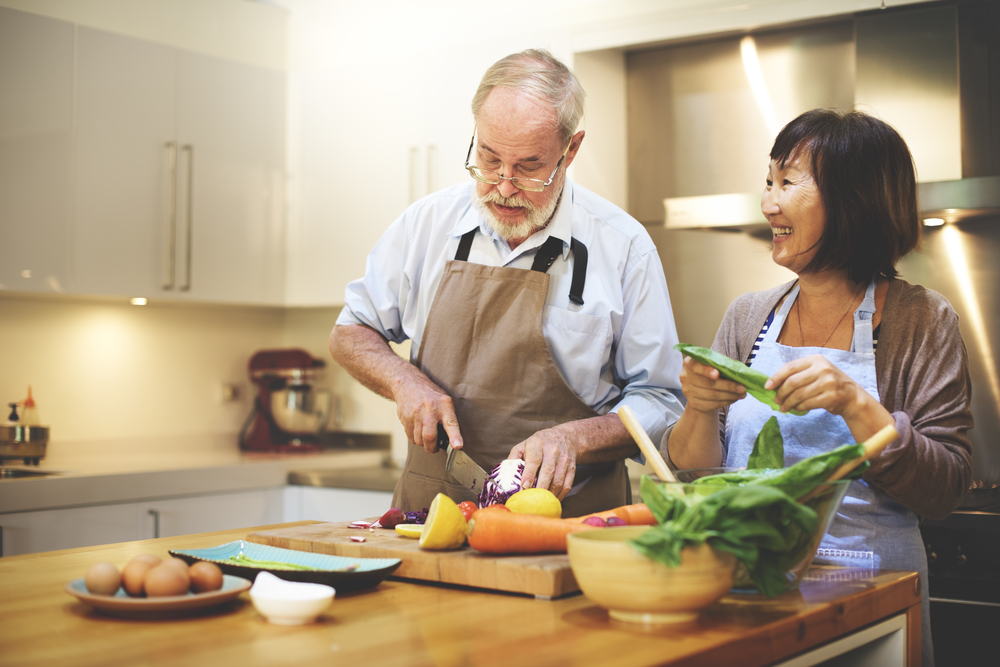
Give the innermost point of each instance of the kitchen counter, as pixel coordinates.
(404, 623)
(103, 473)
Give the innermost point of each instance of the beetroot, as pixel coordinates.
(392, 518)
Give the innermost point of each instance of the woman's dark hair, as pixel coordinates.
(866, 179)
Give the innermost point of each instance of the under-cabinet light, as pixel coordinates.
(138, 301)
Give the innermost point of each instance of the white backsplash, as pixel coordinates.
(102, 370)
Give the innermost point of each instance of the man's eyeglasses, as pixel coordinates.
(493, 178)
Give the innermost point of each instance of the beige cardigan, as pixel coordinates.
(921, 366)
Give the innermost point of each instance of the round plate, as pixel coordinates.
(121, 604)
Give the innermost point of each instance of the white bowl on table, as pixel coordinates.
(289, 602)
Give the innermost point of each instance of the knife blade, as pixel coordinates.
(468, 473)
(465, 470)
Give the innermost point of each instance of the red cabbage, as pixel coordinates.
(502, 482)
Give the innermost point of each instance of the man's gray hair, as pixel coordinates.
(539, 74)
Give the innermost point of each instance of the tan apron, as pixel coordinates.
(483, 345)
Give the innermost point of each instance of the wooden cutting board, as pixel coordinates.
(545, 575)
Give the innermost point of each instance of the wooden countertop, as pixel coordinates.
(403, 623)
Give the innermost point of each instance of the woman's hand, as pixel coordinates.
(704, 390)
(813, 382)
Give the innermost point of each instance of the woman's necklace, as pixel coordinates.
(798, 316)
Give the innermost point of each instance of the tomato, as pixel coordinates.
(467, 507)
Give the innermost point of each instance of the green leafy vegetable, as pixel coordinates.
(768, 448)
(754, 514)
(760, 525)
(736, 371)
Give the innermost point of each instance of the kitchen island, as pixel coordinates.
(874, 614)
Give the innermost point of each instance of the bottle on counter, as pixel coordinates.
(29, 415)
(12, 419)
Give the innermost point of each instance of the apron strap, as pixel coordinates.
(547, 254)
(544, 259)
(579, 271)
(465, 245)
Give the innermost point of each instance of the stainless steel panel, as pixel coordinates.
(696, 126)
(962, 262)
(907, 75)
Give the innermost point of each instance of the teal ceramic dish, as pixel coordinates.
(120, 604)
(344, 573)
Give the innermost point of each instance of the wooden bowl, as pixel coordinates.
(635, 589)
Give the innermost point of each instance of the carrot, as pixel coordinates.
(495, 531)
(633, 515)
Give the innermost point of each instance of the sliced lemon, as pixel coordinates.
(445, 527)
(409, 529)
(535, 501)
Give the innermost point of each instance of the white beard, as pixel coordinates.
(535, 218)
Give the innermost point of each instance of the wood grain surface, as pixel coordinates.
(406, 624)
(542, 575)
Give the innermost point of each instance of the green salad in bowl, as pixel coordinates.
(771, 518)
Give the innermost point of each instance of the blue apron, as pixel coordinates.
(870, 531)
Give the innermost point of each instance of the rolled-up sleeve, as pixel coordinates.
(645, 358)
(374, 299)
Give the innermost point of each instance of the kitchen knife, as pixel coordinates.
(468, 473)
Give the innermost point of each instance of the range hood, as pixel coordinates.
(932, 72)
(940, 202)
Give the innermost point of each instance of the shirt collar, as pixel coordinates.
(561, 225)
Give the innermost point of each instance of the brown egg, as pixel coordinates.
(102, 579)
(164, 580)
(205, 577)
(134, 574)
(147, 558)
(180, 565)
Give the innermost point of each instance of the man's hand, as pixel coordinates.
(421, 406)
(549, 456)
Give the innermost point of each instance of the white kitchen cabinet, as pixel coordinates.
(36, 119)
(69, 528)
(49, 530)
(311, 503)
(202, 514)
(179, 174)
(374, 137)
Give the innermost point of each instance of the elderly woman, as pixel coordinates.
(848, 341)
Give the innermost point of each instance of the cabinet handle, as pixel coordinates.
(172, 217)
(189, 149)
(156, 522)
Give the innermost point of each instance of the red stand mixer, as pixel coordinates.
(289, 414)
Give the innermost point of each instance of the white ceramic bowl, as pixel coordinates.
(289, 602)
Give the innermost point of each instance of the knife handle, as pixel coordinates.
(442, 443)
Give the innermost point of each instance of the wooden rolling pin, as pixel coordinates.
(652, 454)
(872, 447)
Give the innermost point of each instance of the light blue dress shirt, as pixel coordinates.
(615, 349)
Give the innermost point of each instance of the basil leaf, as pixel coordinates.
(768, 448)
(736, 371)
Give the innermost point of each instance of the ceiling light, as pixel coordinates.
(933, 222)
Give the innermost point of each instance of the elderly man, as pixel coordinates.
(534, 308)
